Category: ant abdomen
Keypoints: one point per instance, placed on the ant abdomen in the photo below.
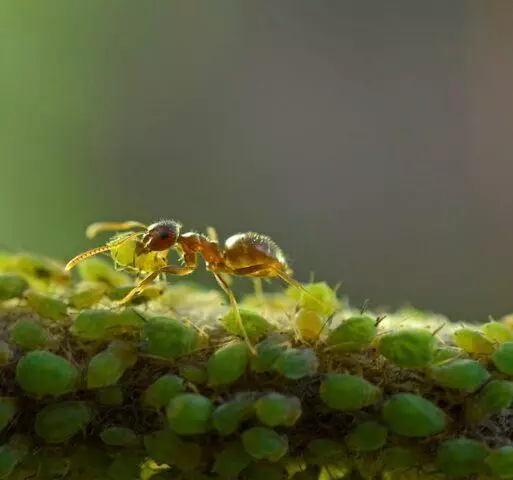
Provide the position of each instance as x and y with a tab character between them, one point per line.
245	250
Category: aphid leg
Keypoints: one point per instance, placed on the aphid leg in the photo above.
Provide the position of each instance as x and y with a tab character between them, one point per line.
172	269
235	310
95	251
95	228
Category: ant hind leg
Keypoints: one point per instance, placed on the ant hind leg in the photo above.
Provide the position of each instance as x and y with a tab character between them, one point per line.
235	310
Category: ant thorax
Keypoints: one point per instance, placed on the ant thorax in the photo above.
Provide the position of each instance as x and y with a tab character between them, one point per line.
193	242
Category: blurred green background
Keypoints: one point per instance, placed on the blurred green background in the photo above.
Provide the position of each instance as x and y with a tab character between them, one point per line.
372	140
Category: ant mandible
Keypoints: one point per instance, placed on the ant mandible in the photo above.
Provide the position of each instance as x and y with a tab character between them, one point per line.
243	254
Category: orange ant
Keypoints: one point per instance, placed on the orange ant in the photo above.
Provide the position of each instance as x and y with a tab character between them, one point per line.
243	254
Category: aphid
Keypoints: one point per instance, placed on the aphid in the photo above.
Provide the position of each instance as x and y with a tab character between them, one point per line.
40	272
243	254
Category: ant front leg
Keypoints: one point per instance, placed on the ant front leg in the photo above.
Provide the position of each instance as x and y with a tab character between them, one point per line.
191	264
222	283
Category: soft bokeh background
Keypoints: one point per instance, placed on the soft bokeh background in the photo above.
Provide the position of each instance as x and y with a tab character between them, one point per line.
372	140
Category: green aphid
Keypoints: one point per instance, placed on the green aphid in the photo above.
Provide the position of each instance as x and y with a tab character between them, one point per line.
319	297
409	348
46	306
460	457
494	397
267	352
503	358
310	473
93	325
12	286
193	373
161	391
59	422
162	446
188	459
231	460
46	463
461	374
118	436
87	294
255	325
227	364
8	410
444	353
413	416
128	320
367	437
400	458
169	337
189	414
41	272
264	471
228	416
324	451
91	460
275	409
126	466
104	369
348	392
265	444
296	363
9	459
353	334
500	462
497	332
29	334
5	353
111	395
473	341
44	373
165	447
95	269
125	351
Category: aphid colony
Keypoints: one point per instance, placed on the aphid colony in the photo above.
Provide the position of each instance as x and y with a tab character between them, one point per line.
145	253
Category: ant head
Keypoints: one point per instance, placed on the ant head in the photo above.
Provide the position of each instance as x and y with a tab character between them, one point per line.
161	235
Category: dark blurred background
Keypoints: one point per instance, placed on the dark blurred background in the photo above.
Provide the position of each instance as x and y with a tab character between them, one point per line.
372	140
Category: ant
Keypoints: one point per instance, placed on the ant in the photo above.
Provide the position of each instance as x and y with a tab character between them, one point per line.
247	254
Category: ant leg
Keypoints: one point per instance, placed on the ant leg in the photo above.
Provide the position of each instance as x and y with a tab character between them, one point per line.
95	251
259	291
271	270
172	269
95	228
212	234
235	310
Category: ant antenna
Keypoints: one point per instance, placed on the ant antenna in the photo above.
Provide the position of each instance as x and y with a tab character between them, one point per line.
95	228
95	251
